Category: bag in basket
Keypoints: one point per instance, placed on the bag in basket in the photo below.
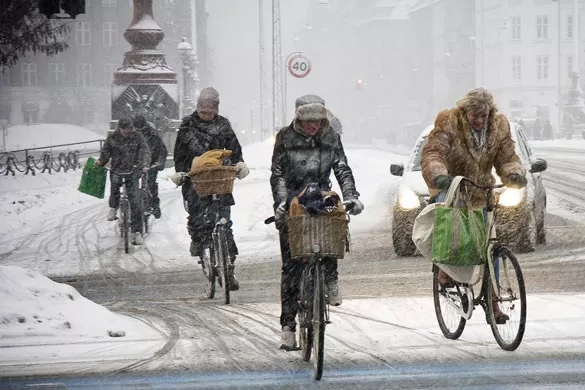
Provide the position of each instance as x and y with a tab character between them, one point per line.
93	180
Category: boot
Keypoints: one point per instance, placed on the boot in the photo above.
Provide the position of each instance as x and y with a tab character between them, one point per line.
137	239
195	248
444	279
288	339
333	294
156	211
500	316
112	214
233	282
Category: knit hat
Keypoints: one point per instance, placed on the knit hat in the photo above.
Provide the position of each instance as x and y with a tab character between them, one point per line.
311	112
208	100
306	99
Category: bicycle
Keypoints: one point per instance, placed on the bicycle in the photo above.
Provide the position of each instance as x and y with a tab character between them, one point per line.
501	281
313	305
125	210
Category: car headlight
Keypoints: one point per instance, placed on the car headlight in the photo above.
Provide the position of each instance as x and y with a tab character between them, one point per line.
408	199
511	197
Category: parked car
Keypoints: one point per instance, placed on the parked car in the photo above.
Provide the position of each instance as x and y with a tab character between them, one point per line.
520	217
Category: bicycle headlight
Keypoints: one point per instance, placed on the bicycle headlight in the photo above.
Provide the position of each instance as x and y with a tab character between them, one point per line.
408	199
511	197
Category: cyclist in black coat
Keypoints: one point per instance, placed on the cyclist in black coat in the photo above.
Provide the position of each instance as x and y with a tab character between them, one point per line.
200	132
306	152
158	157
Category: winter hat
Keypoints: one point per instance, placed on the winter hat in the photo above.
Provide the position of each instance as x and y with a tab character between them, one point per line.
311	112
306	99
208	100
139	121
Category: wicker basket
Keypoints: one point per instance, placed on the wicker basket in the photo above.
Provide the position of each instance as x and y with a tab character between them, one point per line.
330	233
213	180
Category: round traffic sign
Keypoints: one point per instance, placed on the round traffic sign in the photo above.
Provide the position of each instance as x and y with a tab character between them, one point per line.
299	66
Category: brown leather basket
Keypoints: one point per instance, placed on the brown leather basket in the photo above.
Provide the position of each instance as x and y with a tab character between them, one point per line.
213	180
329	232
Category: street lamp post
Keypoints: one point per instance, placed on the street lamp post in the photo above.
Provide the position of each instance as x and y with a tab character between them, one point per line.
185	52
284	87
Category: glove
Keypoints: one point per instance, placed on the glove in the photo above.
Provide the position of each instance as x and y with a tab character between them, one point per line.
441	182
160	167
355	206
242	170
515	180
97	164
280	216
178	178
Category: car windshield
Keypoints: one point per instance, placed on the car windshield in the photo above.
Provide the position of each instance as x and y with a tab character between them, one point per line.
415	163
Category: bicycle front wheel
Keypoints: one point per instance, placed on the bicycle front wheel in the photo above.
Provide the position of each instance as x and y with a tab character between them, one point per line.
125	225
220	246
318	320
306	313
511	301
144	204
447	303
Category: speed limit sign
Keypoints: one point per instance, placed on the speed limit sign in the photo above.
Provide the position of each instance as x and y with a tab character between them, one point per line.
299	66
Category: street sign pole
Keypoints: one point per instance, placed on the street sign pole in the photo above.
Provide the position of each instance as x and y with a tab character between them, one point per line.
298	66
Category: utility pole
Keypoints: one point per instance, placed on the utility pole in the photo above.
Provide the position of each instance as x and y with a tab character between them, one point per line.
262	80
277	97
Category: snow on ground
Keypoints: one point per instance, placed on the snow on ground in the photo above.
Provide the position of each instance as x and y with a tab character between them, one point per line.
41	135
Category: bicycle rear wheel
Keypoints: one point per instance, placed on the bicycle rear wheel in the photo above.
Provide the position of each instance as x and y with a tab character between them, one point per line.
318	320
447	303
144	205
208	272
512	300
306	313
220	246
125	225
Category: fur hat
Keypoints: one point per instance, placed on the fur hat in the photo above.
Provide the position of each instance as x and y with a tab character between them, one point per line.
306	99
208	100
311	112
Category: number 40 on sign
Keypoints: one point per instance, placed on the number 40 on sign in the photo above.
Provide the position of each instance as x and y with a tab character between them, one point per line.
299	66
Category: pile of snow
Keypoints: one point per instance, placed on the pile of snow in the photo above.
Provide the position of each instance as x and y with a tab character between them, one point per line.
41	135
35	306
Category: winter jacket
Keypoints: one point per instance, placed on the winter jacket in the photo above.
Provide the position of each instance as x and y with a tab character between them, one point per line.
450	151
197	137
158	150
298	160
125	152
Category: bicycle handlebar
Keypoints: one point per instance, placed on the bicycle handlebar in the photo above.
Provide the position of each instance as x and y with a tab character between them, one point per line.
347	204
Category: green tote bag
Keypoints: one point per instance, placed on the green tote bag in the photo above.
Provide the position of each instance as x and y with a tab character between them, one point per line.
93	180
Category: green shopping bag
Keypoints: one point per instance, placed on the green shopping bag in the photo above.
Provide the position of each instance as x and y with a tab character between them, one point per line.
458	236
93	180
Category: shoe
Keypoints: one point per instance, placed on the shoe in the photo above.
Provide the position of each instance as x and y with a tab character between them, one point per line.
233	282
137	239
112	214
195	249
156	212
500	316
288	339
333	294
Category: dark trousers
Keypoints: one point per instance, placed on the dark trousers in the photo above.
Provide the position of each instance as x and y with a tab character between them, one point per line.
153	187
200	222
132	187
291	278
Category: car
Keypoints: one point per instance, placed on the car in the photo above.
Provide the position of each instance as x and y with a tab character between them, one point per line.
520	217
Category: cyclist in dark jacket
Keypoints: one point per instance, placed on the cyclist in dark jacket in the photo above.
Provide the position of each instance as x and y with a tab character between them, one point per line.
200	132
158	157
306	152
128	151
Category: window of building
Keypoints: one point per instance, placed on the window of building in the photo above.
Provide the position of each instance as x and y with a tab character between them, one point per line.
110	3
570	26
109	33
4	76
56	73
516	68
542	67
83	75
542	27
83	33
569	65
516	28
29	74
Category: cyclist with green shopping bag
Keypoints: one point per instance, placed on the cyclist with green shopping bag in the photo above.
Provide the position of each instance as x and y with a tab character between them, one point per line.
128	151
469	140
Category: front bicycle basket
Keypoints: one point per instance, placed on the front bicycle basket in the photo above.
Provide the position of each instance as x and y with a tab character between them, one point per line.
329	232
213	180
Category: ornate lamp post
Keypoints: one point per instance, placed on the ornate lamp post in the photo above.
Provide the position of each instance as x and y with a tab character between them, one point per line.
185	51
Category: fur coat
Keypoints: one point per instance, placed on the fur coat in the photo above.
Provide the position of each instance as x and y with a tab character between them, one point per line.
450	151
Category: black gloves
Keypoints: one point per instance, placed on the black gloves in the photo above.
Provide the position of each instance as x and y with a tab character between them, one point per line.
441	182
515	180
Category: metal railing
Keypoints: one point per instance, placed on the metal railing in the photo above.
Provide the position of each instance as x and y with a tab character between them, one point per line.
47	158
